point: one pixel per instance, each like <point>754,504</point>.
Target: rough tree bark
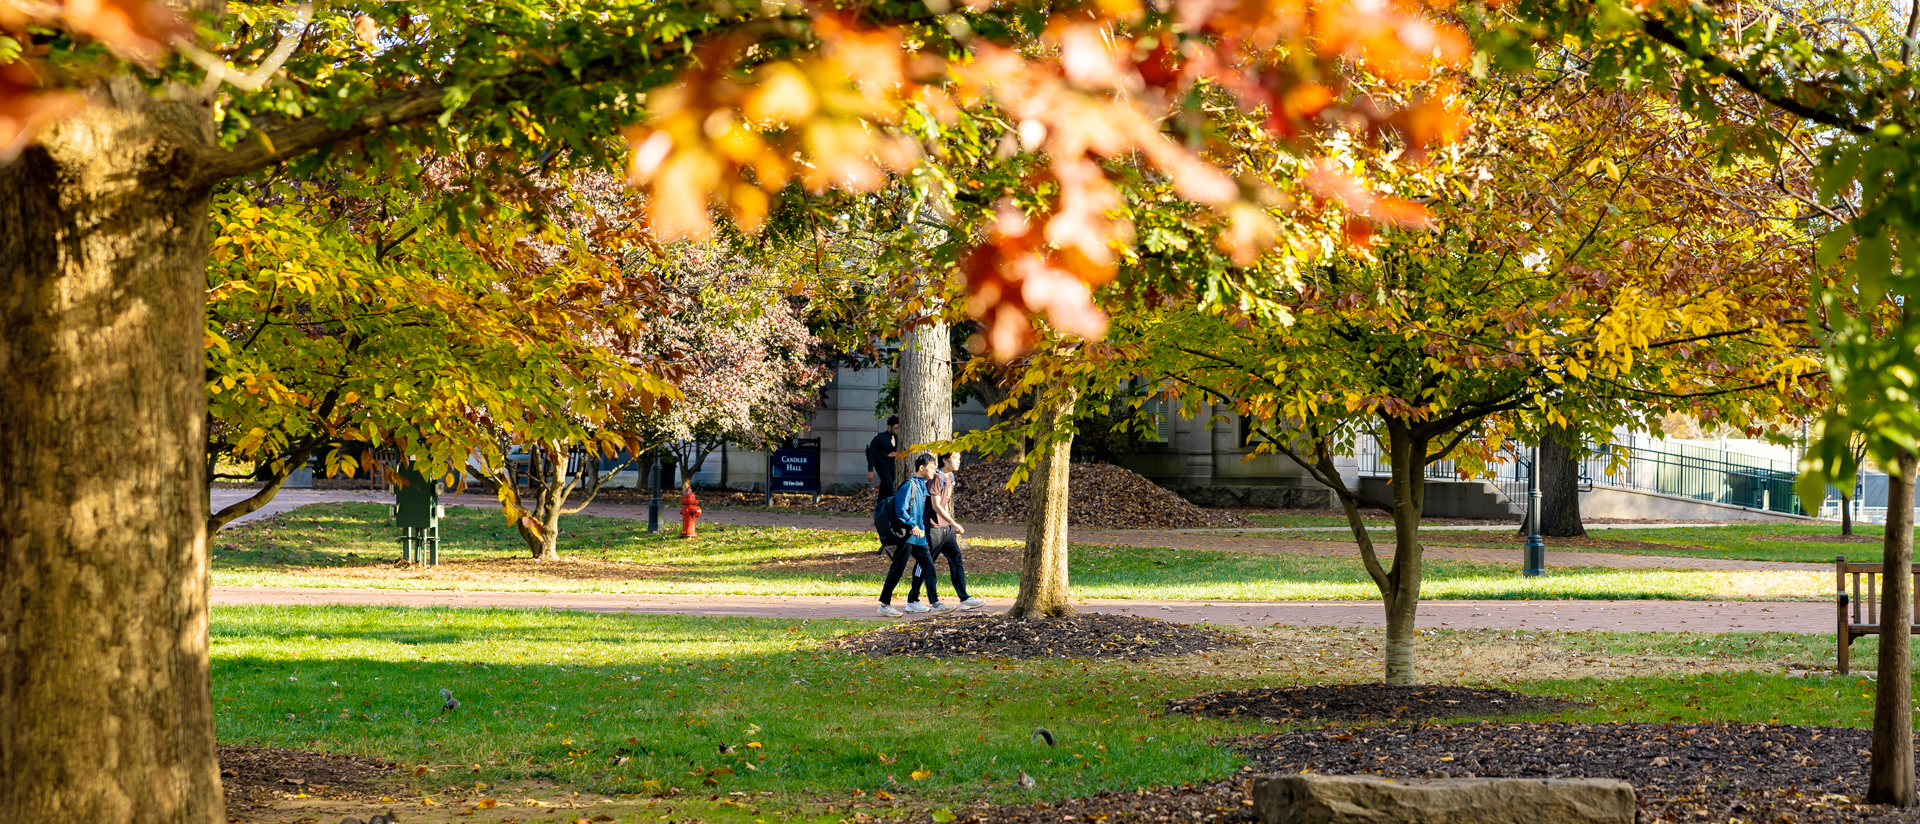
<point>1559,487</point>
<point>1890,778</point>
<point>926,392</point>
<point>105,705</point>
<point>1043,575</point>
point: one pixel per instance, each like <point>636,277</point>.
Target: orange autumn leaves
<point>1094,92</point>
<point>136,30</point>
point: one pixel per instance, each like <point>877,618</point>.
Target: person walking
<point>909,508</point>
<point>944,538</point>
<point>880,456</point>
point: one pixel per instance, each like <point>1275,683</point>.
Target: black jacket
<point>880,453</point>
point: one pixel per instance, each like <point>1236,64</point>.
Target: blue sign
<point>795,470</point>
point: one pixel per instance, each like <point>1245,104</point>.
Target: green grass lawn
<point>624,704</point>
<point>350,545</point>
<point>1773,541</point>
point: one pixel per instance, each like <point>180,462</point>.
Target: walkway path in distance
<point>1176,539</point>
<point>1612,616</point>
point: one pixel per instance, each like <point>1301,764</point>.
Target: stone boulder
<point>1343,799</point>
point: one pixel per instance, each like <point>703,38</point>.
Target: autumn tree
<point>122,119</point>
<point>1591,266</point>
<point>1842,84</point>
<point>309,351</point>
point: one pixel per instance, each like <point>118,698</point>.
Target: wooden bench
<point>1865,615</point>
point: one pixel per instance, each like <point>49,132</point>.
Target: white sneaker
<point>941,608</point>
<point>916,606</point>
<point>890,612</point>
<point>972,603</point>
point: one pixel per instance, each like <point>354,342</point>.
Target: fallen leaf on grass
<point>919,775</point>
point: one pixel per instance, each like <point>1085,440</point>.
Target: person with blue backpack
<point>902,523</point>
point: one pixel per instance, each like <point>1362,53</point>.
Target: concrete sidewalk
<point>1144,538</point>
<point>1612,616</point>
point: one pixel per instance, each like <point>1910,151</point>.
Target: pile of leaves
<point>1365,702</point>
<point>1749,772</point>
<point>256,777</point>
<point>1083,635</point>
<point>1221,802</point>
<point>1099,495</point>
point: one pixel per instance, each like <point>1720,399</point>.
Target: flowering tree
<point>752,373</point>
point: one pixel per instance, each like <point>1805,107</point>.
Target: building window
<point>1160,415</point>
<point>1249,436</point>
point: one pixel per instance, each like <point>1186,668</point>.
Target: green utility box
<point>417,513</point>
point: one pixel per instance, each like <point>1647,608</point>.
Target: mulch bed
<point>1679,772</point>
<point>1365,702</point>
<point>255,777</point>
<point>1707,772</point>
<point>1221,802</point>
<point>1085,635</point>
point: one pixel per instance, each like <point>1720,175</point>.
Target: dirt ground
<point>1284,654</point>
<point>1514,539</point>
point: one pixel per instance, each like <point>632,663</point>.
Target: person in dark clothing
<point>880,456</point>
<point>910,506</point>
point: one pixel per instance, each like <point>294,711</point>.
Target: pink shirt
<point>941,487</point>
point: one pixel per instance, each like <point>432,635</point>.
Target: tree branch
<point>252,503</point>
<point>317,131</point>
<point>1723,67</point>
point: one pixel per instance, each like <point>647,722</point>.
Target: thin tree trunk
<point>1401,596</point>
<point>105,703</point>
<point>1890,778</point>
<point>723,467</point>
<point>1846,514</point>
<point>1043,575</point>
<point>547,483</point>
<point>926,392</point>
<point>1559,487</point>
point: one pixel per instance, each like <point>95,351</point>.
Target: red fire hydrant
<point>689,512</point>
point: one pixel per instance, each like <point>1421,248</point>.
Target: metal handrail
<point>1680,470</point>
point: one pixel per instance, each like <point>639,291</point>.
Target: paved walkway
<point>1614,616</point>
<point>1177,539</point>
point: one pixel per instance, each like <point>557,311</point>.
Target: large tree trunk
<point>926,392</point>
<point>105,706</point>
<point>1559,487</point>
<point>1401,596</point>
<point>1890,778</point>
<point>1043,575</point>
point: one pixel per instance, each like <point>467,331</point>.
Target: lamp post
<point>1534,559</point>
<point>653,508</point>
